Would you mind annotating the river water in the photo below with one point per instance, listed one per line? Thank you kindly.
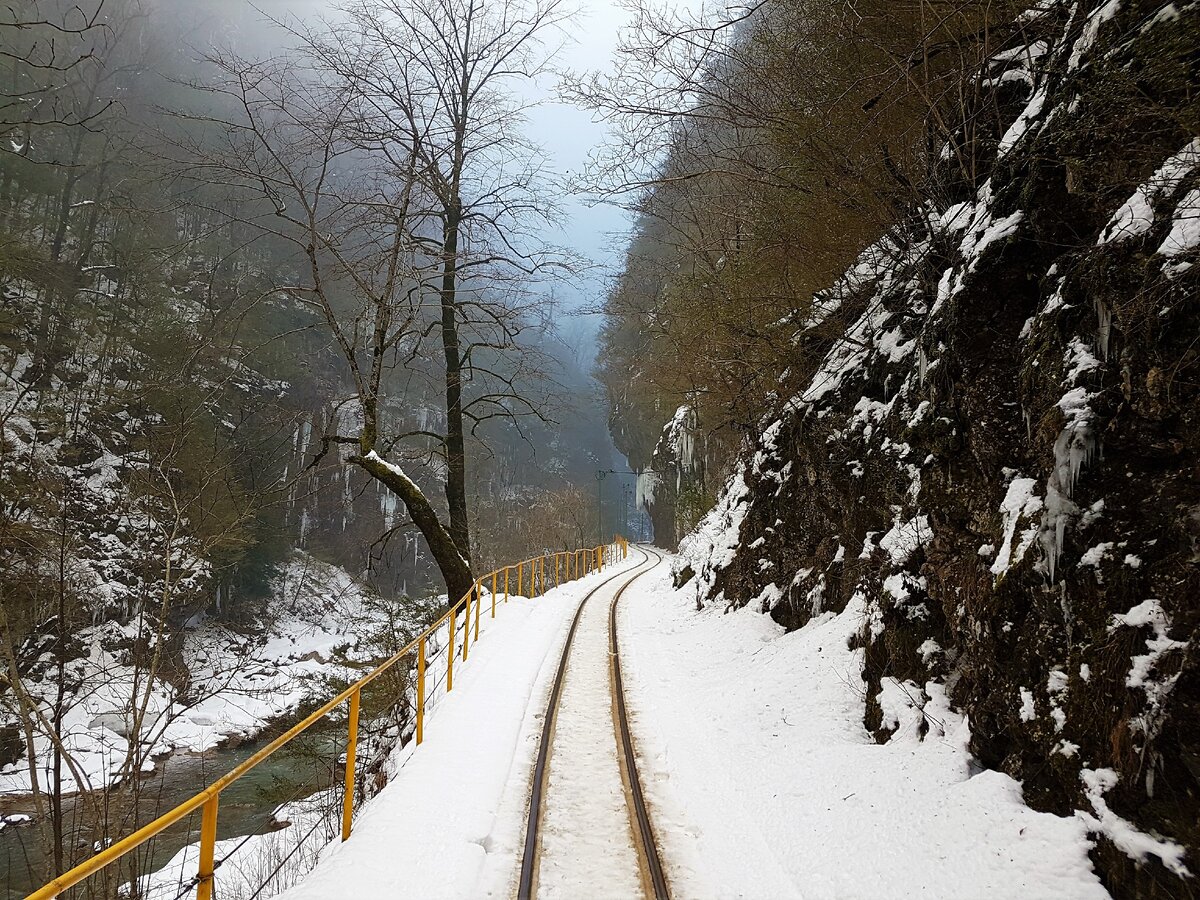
(298, 770)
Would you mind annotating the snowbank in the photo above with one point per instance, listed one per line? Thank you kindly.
(764, 783)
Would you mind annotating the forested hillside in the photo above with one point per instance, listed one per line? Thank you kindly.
(920, 280)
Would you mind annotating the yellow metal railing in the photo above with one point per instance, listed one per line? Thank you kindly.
(568, 566)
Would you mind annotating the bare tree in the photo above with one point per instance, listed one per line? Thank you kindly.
(43, 45)
(388, 153)
(435, 88)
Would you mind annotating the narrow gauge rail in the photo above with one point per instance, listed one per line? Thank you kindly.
(645, 844)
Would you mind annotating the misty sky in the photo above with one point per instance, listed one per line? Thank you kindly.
(567, 134)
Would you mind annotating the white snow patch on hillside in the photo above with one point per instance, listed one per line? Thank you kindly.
(1132, 842)
(905, 538)
(238, 682)
(1184, 235)
(1136, 215)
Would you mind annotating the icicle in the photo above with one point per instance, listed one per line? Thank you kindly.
(647, 484)
(1103, 328)
(303, 434)
(1073, 449)
(347, 494)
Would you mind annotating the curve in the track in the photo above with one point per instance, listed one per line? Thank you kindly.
(647, 847)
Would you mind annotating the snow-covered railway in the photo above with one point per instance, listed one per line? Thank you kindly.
(588, 831)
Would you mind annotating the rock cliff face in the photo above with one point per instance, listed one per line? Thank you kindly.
(1000, 457)
(675, 492)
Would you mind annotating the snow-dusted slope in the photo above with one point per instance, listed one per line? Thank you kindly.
(995, 464)
(237, 681)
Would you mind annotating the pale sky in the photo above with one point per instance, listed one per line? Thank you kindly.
(566, 133)
(569, 134)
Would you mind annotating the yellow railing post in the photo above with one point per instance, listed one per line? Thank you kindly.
(467, 625)
(494, 574)
(351, 753)
(478, 589)
(507, 569)
(421, 692)
(208, 843)
(450, 655)
(520, 577)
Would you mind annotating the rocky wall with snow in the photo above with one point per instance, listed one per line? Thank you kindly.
(675, 492)
(999, 459)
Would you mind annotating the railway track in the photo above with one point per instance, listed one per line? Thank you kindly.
(651, 874)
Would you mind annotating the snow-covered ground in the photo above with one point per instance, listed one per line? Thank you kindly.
(282, 856)
(323, 623)
(450, 821)
(763, 782)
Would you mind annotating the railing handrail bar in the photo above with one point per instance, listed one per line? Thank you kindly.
(115, 851)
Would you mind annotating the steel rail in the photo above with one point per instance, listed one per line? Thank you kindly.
(529, 859)
(648, 846)
(207, 800)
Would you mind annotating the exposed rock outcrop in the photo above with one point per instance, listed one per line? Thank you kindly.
(1001, 453)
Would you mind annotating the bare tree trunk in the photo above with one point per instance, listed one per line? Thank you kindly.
(456, 454)
(455, 568)
(42, 368)
(25, 703)
(56, 792)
